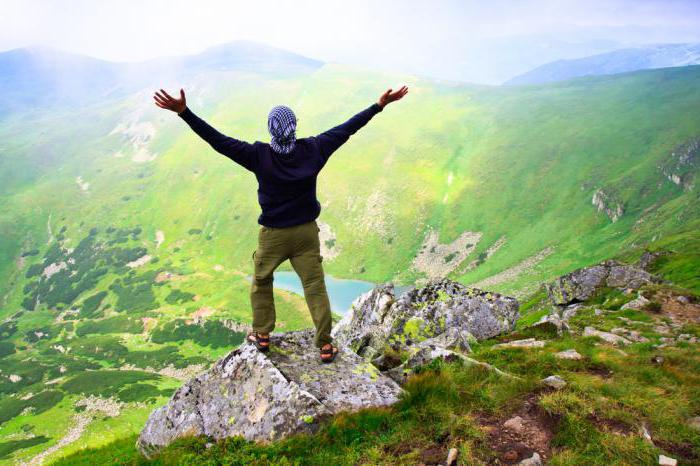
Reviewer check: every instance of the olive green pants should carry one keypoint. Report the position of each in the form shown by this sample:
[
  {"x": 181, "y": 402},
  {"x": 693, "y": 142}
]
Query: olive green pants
[{"x": 299, "y": 244}]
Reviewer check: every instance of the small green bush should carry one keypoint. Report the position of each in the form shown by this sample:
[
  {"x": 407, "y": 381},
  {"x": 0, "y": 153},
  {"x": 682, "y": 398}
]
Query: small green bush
[
  {"x": 116, "y": 324},
  {"x": 7, "y": 448},
  {"x": 105, "y": 382}
]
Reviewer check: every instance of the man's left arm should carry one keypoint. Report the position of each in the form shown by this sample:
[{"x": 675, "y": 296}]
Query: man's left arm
[{"x": 332, "y": 139}]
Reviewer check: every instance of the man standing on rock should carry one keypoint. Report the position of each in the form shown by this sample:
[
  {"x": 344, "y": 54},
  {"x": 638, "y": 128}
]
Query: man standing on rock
[{"x": 286, "y": 170}]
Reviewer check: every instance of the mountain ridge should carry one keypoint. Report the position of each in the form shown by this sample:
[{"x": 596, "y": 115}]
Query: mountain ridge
[{"x": 614, "y": 62}]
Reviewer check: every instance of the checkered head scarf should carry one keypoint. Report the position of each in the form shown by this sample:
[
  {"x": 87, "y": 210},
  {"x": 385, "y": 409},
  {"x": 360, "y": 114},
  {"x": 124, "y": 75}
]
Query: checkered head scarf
[{"x": 282, "y": 125}]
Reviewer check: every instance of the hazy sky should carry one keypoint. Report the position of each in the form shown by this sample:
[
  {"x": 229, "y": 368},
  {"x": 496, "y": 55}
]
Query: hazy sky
[{"x": 482, "y": 41}]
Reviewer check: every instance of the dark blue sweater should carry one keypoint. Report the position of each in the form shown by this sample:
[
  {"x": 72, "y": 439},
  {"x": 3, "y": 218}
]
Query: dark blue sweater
[{"x": 286, "y": 182}]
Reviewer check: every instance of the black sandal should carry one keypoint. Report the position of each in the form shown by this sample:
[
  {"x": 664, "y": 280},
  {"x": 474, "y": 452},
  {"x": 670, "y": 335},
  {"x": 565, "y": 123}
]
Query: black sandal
[
  {"x": 332, "y": 351},
  {"x": 260, "y": 342}
]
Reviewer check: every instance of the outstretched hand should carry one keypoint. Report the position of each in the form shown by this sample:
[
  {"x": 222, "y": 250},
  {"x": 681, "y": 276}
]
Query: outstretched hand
[
  {"x": 389, "y": 96},
  {"x": 164, "y": 100}
]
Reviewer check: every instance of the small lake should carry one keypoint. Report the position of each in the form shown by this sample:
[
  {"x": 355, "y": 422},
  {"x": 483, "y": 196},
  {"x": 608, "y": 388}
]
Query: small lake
[{"x": 341, "y": 292}]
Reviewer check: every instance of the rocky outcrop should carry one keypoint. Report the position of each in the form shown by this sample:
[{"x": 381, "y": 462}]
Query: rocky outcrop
[
  {"x": 288, "y": 390},
  {"x": 584, "y": 283},
  {"x": 606, "y": 202},
  {"x": 681, "y": 166},
  {"x": 268, "y": 396},
  {"x": 444, "y": 311}
]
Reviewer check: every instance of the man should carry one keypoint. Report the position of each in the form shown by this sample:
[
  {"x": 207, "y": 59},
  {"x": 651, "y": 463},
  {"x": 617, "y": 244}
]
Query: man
[{"x": 286, "y": 170}]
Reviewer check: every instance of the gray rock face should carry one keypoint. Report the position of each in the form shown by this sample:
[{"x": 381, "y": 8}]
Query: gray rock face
[
  {"x": 608, "y": 203},
  {"x": 584, "y": 283},
  {"x": 266, "y": 397},
  {"x": 444, "y": 310}
]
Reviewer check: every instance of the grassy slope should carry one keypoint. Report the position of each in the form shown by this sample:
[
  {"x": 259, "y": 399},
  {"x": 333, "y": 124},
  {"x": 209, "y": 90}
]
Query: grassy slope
[
  {"x": 595, "y": 418},
  {"x": 525, "y": 162}
]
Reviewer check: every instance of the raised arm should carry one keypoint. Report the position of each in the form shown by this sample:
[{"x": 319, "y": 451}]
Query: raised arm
[
  {"x": 332, "y": 139},
  {"x": 240, "y": 152}
]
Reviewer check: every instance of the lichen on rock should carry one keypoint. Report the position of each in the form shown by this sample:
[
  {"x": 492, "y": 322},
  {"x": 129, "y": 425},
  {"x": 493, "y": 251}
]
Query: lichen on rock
[
  {"x": 584, "y": 283},
  {"x": 444, "y": 313},
  {"x": 268, "y": 396}
]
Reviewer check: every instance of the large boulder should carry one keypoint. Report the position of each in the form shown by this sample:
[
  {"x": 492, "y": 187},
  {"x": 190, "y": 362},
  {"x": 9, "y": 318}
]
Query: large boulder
[
  {"x": 268, "y": 396},
  {"x": 446, "y": 312},
  {"x": 584, "y": 283}
]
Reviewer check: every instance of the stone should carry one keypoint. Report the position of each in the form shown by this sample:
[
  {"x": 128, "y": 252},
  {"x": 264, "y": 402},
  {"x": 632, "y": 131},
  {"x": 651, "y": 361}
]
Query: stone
[
  {"x": 267, "y": 396},
  {"x": 605, "y": 336},
  {"x": 570, "y": 311},
  {"x": 584, "y": 283},
  {"x": 571, "y": 354},
  {"x": 451, "y": 457},
  {"x": 683, "y": 299},
  {"x": 534, "y": 460},
  {"x": 646, "y": 435},
  {"x": 379, "y": 319},
  {"x": 631, "y": 335},
  {"x": 558, "y": 319},
  {"x": 552, "y": 322},
  {"x": 688, "y": 338},
  {"x": 515, "y": 424},
  {"x": 667, "y": 461},
  {"x": 637, "y": 304},
  {"x": 525, "y": 343},
  {"x": 649, "y": 257},
  {"x": 554, "y": 381}
]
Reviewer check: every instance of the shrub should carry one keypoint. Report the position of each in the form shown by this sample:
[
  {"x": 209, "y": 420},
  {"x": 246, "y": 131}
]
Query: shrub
[
  {"x": 116, "y": 324},
  {"x": 30, "y": 371},
  {"x": 7, "y": 448},
  {"x": 103, "y": 347},
  {"x": 34, "y": 270},
  {"x": 141, "y": 392},
  {"x": 105, "y": 382},
  {"x": 653, "y": 307},
  {"x": 6, "y": 348},
  {"x": 138, "y": 297},
  {"x": 211, "y": 333},
  {"x": 178, "y": 297},
  {"x": 7, "y": 329},
  {"x": 91, "y": 304}
]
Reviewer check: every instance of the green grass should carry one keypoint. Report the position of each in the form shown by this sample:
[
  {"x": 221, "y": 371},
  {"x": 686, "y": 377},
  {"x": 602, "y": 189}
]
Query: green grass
[
  {"x": 443, "y": 403},
  {"x": 514, "y": 163}
]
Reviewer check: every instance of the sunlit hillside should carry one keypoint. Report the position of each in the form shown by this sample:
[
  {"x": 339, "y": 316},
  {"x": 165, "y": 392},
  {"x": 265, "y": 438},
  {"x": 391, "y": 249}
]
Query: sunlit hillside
[{"x": 125, "y": 241}]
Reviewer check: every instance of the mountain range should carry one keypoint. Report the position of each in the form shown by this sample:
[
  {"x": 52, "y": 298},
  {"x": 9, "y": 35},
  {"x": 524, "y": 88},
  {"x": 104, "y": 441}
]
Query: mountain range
[{"x": 617, "y": 61}]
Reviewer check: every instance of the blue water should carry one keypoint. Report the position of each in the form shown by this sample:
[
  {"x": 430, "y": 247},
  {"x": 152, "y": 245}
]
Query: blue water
[{"x": 341, "y": 292}]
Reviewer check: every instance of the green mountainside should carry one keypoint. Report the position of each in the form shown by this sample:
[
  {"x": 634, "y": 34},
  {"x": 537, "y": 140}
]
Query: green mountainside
[{"x": 125, "y": 241}]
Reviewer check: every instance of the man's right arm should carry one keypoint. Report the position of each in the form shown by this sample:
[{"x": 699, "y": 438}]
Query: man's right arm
[
  {"x": 331, "y": 140},
  {"x": 240, "y": 152}
]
